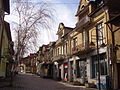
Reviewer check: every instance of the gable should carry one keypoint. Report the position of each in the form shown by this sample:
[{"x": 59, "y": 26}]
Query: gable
[
  {"x": 60, "y": 27},
  {"x": 83, "y": 3}
]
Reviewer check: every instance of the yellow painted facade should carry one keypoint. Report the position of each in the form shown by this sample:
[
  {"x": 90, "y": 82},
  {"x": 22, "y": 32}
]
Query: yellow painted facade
[
  {"x": 86, "y": 32},
  {"x": 79, "y": 45}
]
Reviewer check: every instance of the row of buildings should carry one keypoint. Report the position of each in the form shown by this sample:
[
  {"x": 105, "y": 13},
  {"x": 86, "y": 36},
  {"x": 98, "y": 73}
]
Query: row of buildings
[
  {"x": 86, "y": 54},
  {"x": 6, "y": 44}
]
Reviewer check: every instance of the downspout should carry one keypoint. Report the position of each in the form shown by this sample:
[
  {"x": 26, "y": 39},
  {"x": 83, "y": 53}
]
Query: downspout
[
  {"x": 108, "y": 45},
  {"x": 115, "y": 84},
  {"x": 109, "y": 32},
  {"x": 113, "y": 68}
]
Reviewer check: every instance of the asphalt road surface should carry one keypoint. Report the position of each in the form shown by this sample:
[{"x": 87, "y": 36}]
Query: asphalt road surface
[{"x": 33, "y": 82}]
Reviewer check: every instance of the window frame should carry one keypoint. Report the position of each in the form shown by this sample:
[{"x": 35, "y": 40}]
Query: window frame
[
  {"x": 75, "y": 42},
  {"x": 100, "y": 32},
  {"x": 102, "y": 58}
]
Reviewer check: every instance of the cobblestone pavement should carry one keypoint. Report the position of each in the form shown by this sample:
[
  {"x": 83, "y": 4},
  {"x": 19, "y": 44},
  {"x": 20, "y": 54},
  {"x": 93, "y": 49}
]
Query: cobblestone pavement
[{"x": 33, "y": 82}]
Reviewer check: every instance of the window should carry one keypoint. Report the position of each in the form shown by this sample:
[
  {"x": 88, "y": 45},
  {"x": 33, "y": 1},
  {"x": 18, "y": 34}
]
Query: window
[
  {"x": 84, "y": 37},
  {"x": 66, "y": 47},
  {"x": 99, "y": 28},
  {"x": 58, "y": 51},
  {"x": 82, "y": 6},
  {"x": 62, "y": 48},
  {"x": 103, "y": 65},
  {"x": 75, "y": 42}
]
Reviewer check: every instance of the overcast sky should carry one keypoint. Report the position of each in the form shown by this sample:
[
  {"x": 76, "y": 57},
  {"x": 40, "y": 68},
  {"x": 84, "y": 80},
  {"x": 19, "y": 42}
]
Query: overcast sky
[{"x": 65, "y": 12}]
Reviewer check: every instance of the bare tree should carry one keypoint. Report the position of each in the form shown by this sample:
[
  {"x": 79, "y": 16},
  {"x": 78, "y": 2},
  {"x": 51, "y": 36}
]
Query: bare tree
[{"x": 33, "y": 17}]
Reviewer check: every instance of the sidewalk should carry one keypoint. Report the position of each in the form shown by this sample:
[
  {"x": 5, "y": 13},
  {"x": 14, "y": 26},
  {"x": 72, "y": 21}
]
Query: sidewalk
[
  {"x": 68, "y": 84},
  {"x": 71, "y": 85},
  {"x": 4, "y": 82}
]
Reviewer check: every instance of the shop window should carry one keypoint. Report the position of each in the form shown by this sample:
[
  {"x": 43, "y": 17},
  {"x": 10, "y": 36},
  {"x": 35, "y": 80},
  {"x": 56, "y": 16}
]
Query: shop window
[
  {"x": 103, "y": 65},
  {"x": 81, "y": 68}
]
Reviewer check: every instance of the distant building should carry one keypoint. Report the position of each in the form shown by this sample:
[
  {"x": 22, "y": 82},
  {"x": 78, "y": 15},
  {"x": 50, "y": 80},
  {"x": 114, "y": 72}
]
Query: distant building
[
  {"x": 61, "y": 52},
  {"x": 29, "y": 64}
]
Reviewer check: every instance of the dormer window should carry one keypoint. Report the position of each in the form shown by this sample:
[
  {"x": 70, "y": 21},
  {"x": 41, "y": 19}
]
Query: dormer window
[
  {"x": 82, "y": 7},
  {"x": 60, "y": 30}
]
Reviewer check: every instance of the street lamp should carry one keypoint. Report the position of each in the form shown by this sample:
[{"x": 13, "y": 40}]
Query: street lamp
[{"x": 98, "y": 59}]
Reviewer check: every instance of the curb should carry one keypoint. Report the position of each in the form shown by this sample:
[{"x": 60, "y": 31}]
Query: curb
[{"x": 83, "y": 87}]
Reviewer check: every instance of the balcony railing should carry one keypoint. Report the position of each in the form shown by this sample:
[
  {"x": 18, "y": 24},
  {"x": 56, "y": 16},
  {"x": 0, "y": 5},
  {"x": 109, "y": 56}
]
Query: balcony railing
[
  {"x": 83, "y": 21},
  {"x": 78, "y": 48},
  {"x": 82, "y": 48},
  {"x": 59, "y": 57}
]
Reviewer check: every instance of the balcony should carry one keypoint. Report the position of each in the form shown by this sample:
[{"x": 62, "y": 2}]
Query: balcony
[
  {"x": 81, "y": 49},
  {"x": 78, "y": 48},
  {"x": 84, "y": 21},
  {"x": 59, "y": 57}
]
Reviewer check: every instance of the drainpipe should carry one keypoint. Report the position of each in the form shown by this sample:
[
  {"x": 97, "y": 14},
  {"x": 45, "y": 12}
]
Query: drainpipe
[
  {"x": 114, "y": 58},
  {"x": 109, "y": 75},
  {"x": 114, "y": 68}
]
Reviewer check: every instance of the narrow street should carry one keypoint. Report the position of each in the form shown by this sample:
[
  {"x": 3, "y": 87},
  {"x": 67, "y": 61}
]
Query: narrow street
[{"x": 33, "y": 82}]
